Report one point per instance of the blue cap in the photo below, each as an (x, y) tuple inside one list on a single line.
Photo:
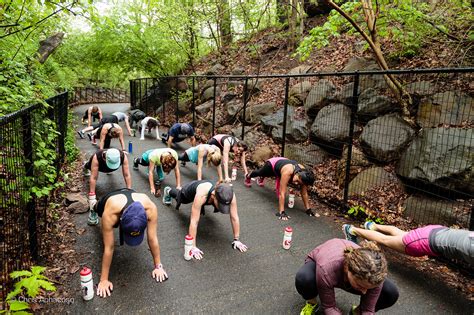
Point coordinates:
[(133, 224)]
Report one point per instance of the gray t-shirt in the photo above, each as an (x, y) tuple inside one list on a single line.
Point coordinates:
[(453, 244), (121, 116)]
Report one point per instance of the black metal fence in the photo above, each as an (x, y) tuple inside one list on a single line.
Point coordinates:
[(94, 95), (24, 138), (380, 154)]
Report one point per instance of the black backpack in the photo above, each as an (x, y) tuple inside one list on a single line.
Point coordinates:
[(137, 114)]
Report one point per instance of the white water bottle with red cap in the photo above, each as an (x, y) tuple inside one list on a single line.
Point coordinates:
[(87, 284), (291, 200), (287, 237), (188, 246)]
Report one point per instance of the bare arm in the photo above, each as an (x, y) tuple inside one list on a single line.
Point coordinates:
[(243, 161), (152, 235), (108, 238), (219, 172), (234, 218), (121, 139), (177, 174), (200, 162), (225, 160), (94, 174), (103, 134), (193, 141), (126, 172), (199, 201), (127, 124), (151, 168), (158, 137), (170, 141), (285, 177), (89, 117), (100, 114), (304, 196), (142, 136)]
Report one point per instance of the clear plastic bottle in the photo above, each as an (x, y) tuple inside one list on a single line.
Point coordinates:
[(291, 200), (87, 284), (234, 173), (188, 245), (287, 237)]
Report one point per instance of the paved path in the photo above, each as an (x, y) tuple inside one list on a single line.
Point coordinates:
[(227, 281)]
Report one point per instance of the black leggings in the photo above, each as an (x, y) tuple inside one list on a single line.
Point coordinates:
[(183, 157), (305, 282), (265, 171)]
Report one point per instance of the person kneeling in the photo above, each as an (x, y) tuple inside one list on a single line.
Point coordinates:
[(345, 265), (134, 214), (202, 193)]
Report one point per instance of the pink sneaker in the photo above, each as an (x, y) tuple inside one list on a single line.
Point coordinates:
[(248, 181), (261, 181)]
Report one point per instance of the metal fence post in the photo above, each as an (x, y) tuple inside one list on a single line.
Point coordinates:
[(177, 100), (30, 207), (245, 106), (214, 108), (285, 113), (354, 105), (193, 106), (132, 103)]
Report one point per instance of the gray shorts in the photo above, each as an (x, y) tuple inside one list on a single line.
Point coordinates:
[(454, 244)]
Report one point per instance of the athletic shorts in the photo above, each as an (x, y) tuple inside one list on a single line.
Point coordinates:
[(417, 241)]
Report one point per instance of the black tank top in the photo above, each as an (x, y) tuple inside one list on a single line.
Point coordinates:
[(103, 168), (220, 144), (189, 190), (122, 191), (279, 165)]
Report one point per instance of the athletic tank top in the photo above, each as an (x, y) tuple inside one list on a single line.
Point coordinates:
[(219, 141), (120, 116), (103, 168), (122, 191), (109, 119), (279, 165), (189, 190)]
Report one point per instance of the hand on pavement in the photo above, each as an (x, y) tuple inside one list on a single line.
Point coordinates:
[(105, 288), (159, 274), (196, 253), (239, 245)]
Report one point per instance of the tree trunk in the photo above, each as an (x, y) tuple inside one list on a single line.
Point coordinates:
[(48, 46), (282, 11), (292, 31), (225, 22)]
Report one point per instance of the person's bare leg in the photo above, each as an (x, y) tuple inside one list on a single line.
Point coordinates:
[(388, 229), (392, 241)]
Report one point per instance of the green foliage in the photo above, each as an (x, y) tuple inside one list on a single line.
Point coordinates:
[(407, 25), (72, 152), (357, 211), (29, 284)]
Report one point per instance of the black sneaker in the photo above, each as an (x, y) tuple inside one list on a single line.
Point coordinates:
[(89, 135), (135, 163), (81, 134)]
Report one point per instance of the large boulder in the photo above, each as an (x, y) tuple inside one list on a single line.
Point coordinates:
[(274, 120), (369, 179), (238, 71), (421, 88), (233, 107), (318, 7), (447, 108), (227, 97), (385, 138), (426, 210), (296, 131), (254, 86), (358, 163), (215, 69), (298, 93), (319, 96), (307, 154), (371, 104), (443, 157), (207, 84), (204, 108), (366, 81), (300, 70), (254, 113), (261, 154), (344, 96), (332, 123), (208, 94)]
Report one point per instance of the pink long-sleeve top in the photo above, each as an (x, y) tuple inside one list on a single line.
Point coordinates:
[(329, 259)]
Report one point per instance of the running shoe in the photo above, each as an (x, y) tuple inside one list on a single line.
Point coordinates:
[(369, 225), (89, 135), (183, 163), (81, 134), (93, 218), (166, 195), (309, 309), (353, 309), (347, 228), (135, 163), (248, 181), (261, 181)]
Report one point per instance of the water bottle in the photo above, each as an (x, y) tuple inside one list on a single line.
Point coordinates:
[(87, 284), (188, 245), (287, 237), (130, 147), (234, 173), (291, 200)]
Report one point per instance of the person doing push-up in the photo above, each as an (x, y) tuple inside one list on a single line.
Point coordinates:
[(286, 172), (201, 193)]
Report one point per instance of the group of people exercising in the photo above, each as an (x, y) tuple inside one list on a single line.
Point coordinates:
[(337, 263)]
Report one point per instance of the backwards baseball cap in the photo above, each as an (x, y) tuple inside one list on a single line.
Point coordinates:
[(133, 224), (224, 195), (112, 158)]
